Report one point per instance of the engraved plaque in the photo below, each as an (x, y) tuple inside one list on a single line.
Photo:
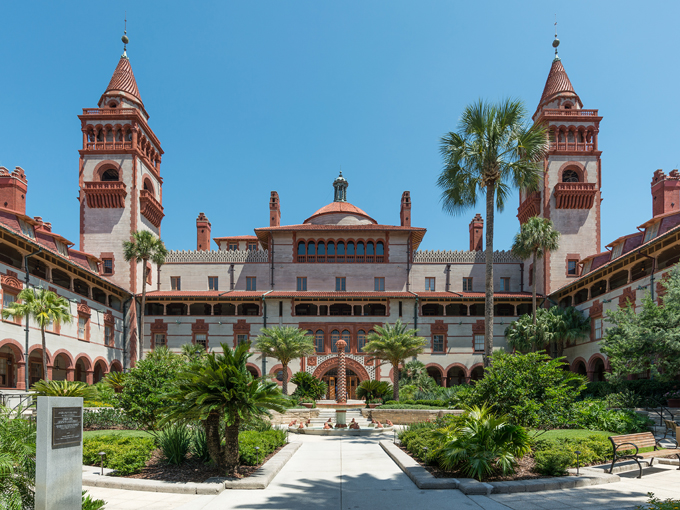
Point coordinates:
[(67, 427)]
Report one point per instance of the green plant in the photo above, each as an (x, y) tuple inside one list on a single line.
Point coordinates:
[(92, 504), (594, 415), (199, 444), (285, 344), (553, 456), (532, 389), (64, 389), (372, 389), (309, 386), (17, 461), (624, 398), (115, 380), (415, 374), (308, 400), (107, 418), (174, 442), (143, 247), (393, 344), (553, 327), (267, 442), (44, 307), (127, 455), (106, 394), (654, 503), (553, 462), (483, 443), (494, 150)]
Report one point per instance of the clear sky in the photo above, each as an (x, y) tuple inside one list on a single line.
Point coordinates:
[(253, 96)]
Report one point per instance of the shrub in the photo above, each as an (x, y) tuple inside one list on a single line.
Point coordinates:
[(559, 454), (308, 386), (624, 398), (371, 390), (266, 441), (17, 461), (554, 462), (107, 418), (174, 442), (199, 444), (64, 389), (423, 403), (256, 424), (405, 406), (105, 394), (655, 503), (594, 415), (127, 455), (92, 504), (650, 391)]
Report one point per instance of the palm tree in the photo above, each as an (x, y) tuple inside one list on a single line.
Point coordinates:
[(44, 307), (393, 344), (570, 325), (144, 247), (536, 237), (221, 387), (493, 151), (285, 344), (64, 389)]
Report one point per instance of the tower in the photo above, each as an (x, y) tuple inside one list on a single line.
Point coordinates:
[(119, 177), (569, 194)]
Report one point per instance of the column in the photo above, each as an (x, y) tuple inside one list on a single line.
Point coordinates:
[(21, 375), (89, 376), (341, 397), (70, 374)]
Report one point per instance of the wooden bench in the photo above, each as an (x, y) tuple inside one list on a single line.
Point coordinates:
[(639, 441), (671, 427)]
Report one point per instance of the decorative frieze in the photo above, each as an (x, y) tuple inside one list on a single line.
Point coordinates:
[(462, 257), (228, 256)]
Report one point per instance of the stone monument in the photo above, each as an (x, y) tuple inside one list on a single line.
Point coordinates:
[(59, 454)]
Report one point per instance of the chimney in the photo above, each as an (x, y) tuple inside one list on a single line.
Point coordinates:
[(202, 233), (274, 210), (665, 192), (13, 188), (477, 233), (405, 212)]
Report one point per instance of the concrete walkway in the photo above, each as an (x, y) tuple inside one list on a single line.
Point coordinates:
[(354, 473)]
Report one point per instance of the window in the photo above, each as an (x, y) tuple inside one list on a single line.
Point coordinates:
[(597, 328), (63, 250), (213, 283), (7, 300), (340, 284), (201, 339), (505, 285), (252, 246), (651, 231), (148, 274), (107, 266), (438, 343), (27, 229), (335, 336), (572, 267), (570, 176), (302, 283), (467, 284), (361, 340), (251, 283), (110, 175), (82, 328), (176, 282), (319, 341), (616, 252), (429, 284), (241, 339), (379, 284), (479, 343), (586, 267), (159, 340), (233, 246), (108, 338)]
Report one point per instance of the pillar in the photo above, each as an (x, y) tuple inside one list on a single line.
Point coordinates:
[(21, 375), (89, 376), (70, 374), (341, 396)]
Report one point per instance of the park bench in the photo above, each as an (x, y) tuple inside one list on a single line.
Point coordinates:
[(671, 427), (627, 442)]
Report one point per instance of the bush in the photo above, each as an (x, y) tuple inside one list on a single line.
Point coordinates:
[(199, 444), (256, 424), (17, 461), (92, 504), (554, 456), (554, 462), (308, 386), (174, 441), (422, 403), (405, 406), (655, 503), (371, 390), (650, 391), (127, 455), (266, 441), (594, 415), (107, 418), (106, 396)]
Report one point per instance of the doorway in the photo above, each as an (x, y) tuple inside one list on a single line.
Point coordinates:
[(331, 379)]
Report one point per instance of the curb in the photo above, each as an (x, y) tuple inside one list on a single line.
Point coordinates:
[(258, 480), (424, 480)]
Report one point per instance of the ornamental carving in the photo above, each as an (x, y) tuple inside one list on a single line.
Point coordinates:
[(530, 207), (11, 284), (353, 363), (439, 328), (183, 256), (105, 195), (84, 309), (108, 318), (350, 364), (150, 208), (575, 195), (159, 325), (596, 309), (311, 361), (242, 327), (465, 257), (629, 295), (478, 328), (200, 326)]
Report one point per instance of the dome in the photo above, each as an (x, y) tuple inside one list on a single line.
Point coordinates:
[(340, 213)]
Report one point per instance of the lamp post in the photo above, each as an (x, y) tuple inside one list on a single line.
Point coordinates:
[(577, 462)]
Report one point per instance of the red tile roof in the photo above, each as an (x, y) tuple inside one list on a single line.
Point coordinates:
[(123, 80), (557, 82), (234, 294), (497, 295), (333, 294), (339, 207)]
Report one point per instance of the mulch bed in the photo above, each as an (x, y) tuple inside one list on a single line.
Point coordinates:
[(524, 470), (191, 470)]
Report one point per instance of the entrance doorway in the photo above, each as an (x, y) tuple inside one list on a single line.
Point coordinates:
[(331, 379)]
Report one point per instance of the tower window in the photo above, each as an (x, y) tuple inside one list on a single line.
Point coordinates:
[(111, 175), (572, 267), (251, 283), (429, 284), (570, 176)]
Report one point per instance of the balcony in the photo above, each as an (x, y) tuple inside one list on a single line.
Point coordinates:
[(575, 195), (150, 208), (530, 207), (572, 146), (108, 146), (108, 111), (105, 195), (554, 112)]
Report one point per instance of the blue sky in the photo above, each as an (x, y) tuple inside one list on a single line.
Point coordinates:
[(253, 96)]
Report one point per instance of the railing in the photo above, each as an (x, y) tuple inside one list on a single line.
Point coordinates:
[(105, 195), (554, 112), (572, 146), (100, 146), (108, 111), (530, 207), (150, 208), (370, 259), (575, 195), (660, 410)]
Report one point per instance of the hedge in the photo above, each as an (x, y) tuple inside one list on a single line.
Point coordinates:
[(127, 455), (267, 442), (648, 389)]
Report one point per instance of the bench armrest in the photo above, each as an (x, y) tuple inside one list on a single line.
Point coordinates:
[(637, 450), (665, 447)]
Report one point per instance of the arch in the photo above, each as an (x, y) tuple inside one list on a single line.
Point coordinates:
[(597, 366), (450, 378), (311, 248), (275, 369), (101, 169), (38, 347), (148, 186), (116, 366), (252, 367), (15, 347), (577, 167), (579, 363), (476, 372), (350, 364), (100, 369), (438, 368), (67, 355), (87, 361)]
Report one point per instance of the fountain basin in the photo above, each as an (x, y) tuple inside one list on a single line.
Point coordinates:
[(320, 431)]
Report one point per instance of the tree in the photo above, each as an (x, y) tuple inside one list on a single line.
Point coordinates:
[(536, 237), (415, 374), (17, 460), (393, 344), (570, 325), (649, 340), (143, 247), (44, 307), (221, 387), (285, 344), (493, 151)]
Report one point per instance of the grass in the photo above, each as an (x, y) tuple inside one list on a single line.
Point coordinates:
[(570, 434), (120, 433)]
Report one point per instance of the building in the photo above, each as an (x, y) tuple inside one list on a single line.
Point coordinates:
[(336, 274)]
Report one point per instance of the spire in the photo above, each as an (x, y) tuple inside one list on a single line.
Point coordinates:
[(556, 42), (125, 39), (558, 84), (340, 184), (123, 80)]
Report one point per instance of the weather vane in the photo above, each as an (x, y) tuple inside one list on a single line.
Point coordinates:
[(556, 42), (125, 37)]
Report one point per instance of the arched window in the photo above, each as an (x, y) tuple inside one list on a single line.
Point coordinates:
[(148, 186), (109, 136), (110, 175), (331, 248), (360, 248), (335, 336), (361, 339), (341, 248), (301, 248), (345, 337), (380, 248), (370, 249), (570, 176), (318, 341), (350, 248), (321, 248), (570, 136), (311, 248)]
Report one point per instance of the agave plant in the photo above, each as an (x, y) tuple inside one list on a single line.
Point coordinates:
[(64, 389)]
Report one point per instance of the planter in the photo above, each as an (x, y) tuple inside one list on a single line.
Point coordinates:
[(373, 406), (308, 405), (674, 402)]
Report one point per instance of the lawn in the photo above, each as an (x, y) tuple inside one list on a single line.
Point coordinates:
[(120, 433), (570, 434)]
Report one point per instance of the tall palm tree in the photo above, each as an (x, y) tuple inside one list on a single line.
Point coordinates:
[(493, 151), (285, 344), (44, 307), (393, 344), (221, 387), (143, 247), (536, 237), (570, 325)]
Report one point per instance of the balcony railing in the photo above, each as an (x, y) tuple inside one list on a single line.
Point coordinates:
[(150, 208), (101, 146), (341, 258), (108, 194), (530, 207), (572, 146), (575, 195), (107, 111), (554, 112)]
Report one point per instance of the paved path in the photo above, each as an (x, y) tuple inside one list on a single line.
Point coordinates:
[(355, 474)]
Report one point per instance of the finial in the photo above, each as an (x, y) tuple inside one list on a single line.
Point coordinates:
[(556, 42), (125, 39)]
